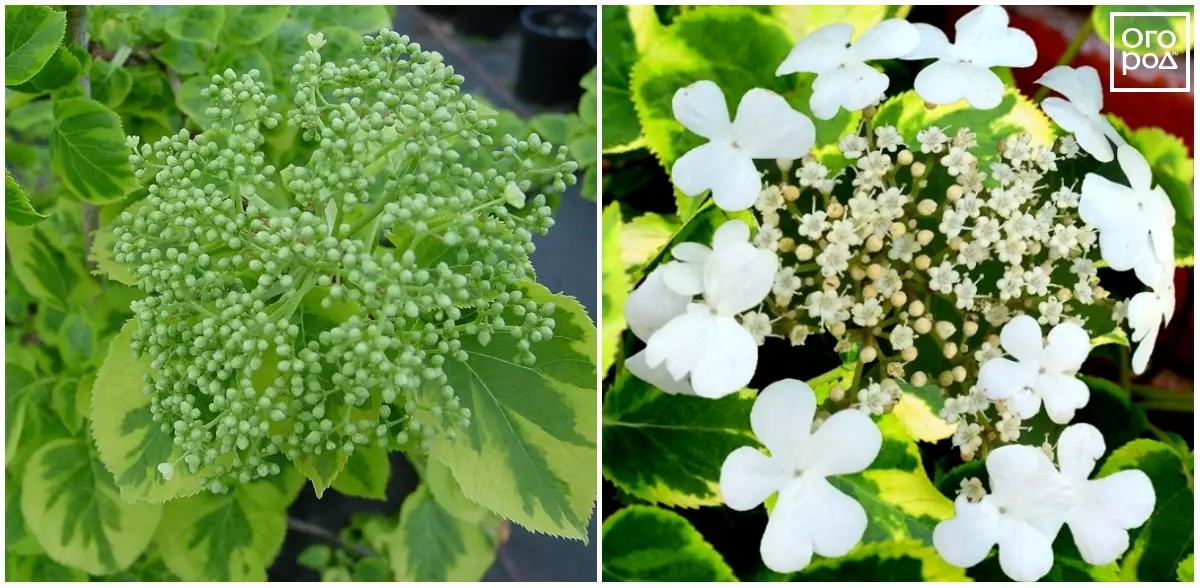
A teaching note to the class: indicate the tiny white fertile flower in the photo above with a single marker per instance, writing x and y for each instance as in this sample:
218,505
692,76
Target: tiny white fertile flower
968,438
649,307
1135,221
891,202
1022,515
1037,281
770,199
867,313
1003,173
874,166
982,40
888,138
972,489
828,306
1083,267
972,181
706,343
932,140
852,146
1120,311
1083,291
996,314
1080,112
986,351
942,278
765,127
1041,373
813,225
976,400
1050,311
888,283
810,515
834,259
952,222
1044,158
875,399
987,230
904,247
844,80
758,324
1009,427
768,237
1149,312
1068,147
964,138
957,161
1010,284
952,409
812,174
902,337
973,253
964,294
1102,510
1011,250
1065,197
786,282
842,233
1018,150
797,335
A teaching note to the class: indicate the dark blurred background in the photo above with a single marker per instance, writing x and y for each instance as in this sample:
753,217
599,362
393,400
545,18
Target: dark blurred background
484,44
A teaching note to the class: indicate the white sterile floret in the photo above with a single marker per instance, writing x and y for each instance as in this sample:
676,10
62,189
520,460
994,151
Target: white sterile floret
706,343
765,127
844,80
1148,312
1024,512
810,515
649,307
1135,221
1101,510
1041,373
982,40
1080,112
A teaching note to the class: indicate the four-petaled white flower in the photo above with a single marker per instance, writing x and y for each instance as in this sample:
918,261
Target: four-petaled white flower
706,343
1135,221
982,40
1024,512
1148,312
649,307
1041,373
810,515
844,80
1101,510
765,127
1080,112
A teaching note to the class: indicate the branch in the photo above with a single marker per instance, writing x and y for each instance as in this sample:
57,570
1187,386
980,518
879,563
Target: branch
77,33
323,533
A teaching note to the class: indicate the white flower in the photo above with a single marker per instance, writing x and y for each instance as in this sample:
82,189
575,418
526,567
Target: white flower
867,313
965,293
1134,221
1003,173
758,324
1009,427
1040,374
1148,312
901,337
957,161
834,259
828,306
1037,281
706,343
810,515
973,254
844,80
765,127
967,438
1068,147
1080,112
1023,514
770,199
812,173
649,307
813,225
942,278
797,335
888,283
903,247
982,40
1050,311
932,140
786,282
1102,510
768,236
1065,197
875,399
952,222
888,138
852,146
964,138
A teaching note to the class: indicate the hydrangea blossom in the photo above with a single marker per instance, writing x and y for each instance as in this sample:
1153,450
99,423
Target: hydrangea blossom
982,40
765,127
844,80
810,515
706,343
1080,112
1041,373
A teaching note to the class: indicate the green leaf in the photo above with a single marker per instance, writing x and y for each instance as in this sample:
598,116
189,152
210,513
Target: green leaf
242,60
322,469
900,500
62,69
315,557
183,57
198,24
192,103
1144,24
366,473
1161,544
130,443
1015,114
39,568
17,209
842,375
430,545
72,505
446,491
802,20
887,561
40,268
621,130
738,48
1186,572
667,448
360,19
17,537
64,399
246,25
110,85
648,544
529,454
88,150
918,410
642,237
231,537
77,340
23,391
615,286
106,264
31,36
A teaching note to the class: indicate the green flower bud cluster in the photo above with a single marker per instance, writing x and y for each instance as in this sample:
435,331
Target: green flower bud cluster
316,308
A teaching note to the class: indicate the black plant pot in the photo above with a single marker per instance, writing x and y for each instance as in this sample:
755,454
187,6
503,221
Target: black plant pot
555,53
486,22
